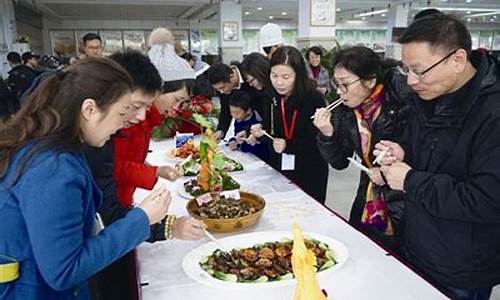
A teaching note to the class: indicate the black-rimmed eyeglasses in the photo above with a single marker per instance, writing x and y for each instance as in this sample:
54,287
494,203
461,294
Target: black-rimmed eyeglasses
404,70
342,86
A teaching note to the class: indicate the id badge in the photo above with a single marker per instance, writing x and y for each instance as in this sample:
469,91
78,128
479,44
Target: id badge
287,162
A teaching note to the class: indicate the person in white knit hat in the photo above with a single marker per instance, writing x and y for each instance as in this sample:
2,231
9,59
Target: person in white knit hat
177,84
271,38
178,77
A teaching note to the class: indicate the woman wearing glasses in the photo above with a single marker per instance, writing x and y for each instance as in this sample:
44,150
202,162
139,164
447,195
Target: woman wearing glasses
373,94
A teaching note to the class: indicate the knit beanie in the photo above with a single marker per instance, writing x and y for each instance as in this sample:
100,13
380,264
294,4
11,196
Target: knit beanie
170,66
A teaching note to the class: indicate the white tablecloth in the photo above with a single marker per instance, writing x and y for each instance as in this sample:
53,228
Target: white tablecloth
369,273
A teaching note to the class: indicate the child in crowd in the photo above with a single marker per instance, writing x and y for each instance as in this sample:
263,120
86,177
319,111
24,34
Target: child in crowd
240,106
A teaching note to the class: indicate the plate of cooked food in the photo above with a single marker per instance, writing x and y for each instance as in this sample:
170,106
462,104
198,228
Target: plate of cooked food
196,187
228,213
260,259
192,166
188,149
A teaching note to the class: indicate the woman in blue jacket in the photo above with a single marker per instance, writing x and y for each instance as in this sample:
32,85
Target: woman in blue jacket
49,243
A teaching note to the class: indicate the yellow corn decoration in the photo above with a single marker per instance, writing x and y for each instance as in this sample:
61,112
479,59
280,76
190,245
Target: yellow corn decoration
303,265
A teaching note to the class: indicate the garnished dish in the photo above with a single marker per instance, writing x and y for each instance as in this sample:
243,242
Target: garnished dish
192,166
186,150
263,259
222,183
226,208
227,212
270,261
212,177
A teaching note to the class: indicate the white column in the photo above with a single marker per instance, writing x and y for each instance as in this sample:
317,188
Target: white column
230,31
7,34
8,22
323,30
397,16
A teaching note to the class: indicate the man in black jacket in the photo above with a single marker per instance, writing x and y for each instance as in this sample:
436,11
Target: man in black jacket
450,169
226,79
20,78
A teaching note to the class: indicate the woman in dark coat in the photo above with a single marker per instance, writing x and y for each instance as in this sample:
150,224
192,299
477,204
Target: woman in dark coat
295,154
374,108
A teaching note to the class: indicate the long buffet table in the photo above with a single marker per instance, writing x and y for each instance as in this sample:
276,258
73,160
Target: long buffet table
369,273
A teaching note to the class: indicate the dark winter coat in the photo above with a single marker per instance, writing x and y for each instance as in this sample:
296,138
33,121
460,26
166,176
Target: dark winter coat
453,191
389,125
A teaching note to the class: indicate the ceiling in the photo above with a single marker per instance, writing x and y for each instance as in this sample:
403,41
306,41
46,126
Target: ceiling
254,10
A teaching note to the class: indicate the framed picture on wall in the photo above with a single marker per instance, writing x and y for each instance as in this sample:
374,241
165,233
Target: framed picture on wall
322,12
230,31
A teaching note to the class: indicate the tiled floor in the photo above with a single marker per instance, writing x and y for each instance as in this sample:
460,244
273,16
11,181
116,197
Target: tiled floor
340,193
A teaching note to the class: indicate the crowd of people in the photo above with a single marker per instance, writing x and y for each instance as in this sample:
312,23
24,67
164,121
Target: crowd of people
73,150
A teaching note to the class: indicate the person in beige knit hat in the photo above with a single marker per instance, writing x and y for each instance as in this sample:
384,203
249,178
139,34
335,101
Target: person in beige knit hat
161,36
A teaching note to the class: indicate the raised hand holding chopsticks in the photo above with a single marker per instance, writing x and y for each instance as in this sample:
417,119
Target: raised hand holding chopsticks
330,107
322,121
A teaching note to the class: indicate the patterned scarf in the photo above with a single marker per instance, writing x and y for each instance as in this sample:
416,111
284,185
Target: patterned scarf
375,213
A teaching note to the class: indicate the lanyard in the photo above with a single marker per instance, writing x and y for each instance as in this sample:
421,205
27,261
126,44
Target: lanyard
289,131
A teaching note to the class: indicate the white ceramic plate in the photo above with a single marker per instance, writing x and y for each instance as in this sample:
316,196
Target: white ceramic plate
192,268
182,191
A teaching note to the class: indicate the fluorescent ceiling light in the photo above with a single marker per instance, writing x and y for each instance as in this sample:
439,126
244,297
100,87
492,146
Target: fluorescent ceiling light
259,8
247,13
271,17
283,13
338,9
468,1
383,15
485,14
372,13
455,8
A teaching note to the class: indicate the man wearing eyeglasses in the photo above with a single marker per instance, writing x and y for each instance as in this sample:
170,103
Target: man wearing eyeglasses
450,169
92,45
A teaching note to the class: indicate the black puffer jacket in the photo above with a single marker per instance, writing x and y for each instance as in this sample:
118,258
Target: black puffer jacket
453,191
389,125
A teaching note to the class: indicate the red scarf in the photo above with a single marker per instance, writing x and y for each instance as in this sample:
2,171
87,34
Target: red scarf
315,71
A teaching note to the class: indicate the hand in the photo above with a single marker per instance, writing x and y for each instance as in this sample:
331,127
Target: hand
322,121
187,228
219,135
252,140
394,154
168,172
240,137
395,175
279,145
322,90
156,204
376,176
232,144
256,130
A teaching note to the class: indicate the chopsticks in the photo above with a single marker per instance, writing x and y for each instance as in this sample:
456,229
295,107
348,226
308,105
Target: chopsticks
359,165
268,135
331,106
224,252
381,155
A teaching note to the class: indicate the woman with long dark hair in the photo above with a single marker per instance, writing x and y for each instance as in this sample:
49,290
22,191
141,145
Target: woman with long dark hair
51,240
374,108
296,99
